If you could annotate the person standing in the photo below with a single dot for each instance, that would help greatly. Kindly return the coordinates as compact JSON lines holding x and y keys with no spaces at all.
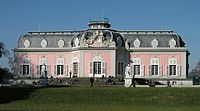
{"x":91,"y":81}
{"x":133,"y":82}
{"x":70,"y":74}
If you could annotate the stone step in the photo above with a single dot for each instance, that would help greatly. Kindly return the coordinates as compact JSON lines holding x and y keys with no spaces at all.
{"x":85,"y":81}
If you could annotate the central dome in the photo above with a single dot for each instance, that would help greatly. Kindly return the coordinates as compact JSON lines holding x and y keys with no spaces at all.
{"x":98,"y":35}
{"x":99,"y":23}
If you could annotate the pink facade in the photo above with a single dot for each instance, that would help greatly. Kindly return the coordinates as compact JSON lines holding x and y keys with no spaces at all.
{"x":163,"y":62}
{"x":100,"y":51}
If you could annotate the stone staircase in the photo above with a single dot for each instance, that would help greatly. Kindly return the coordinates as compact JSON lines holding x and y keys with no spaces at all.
{"x":97,"y":82}
{"x":84,"y":81}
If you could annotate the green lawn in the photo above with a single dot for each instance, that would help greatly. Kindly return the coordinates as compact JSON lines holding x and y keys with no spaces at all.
{"x":100,"y":99}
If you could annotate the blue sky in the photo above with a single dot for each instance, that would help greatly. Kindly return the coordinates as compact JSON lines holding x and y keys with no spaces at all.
{"x":17,"y":17}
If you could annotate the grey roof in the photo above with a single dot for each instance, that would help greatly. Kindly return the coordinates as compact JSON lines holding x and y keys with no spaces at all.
{"x":145,"y":38}
{"x":52,"y":38}
{"x":163,"y":37}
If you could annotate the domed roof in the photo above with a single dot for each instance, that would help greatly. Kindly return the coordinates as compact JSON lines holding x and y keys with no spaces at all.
{"x":99,"y":23}
{"x":104,"y":36}
{"x":100,"y":34}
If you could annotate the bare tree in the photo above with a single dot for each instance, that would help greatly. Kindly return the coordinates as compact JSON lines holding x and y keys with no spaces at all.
{"x":4,"y":72}
{"x":196,"y":70}
{"x":3,"y":51}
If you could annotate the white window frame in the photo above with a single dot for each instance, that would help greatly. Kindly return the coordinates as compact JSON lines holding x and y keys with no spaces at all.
{"x":137,"y":62}
{"x":59,"y":62}
{"x":155,"y":61}
{"x":43,"y":61}
{"x":26,"y":61}
{"x":74,"y":60}
{"x":75,"y":69}
{"x":97,"y":58}
{"x":173,"y":61}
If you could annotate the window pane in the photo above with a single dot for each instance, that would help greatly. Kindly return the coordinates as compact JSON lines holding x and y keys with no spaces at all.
{"x":94,"y":67}
{"x":137,"y":69}
{"x":172,"y":69}
{"x":62,"y":69}
{"x":154,"y":70}
{"x":97,"y":67}
{"x":26,"y":70}
{"x":58,"y":69}
{"x":75,"y":68}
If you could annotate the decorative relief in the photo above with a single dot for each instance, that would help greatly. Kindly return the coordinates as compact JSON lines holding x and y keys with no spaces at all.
{"x":44,"y":43}
{"x":127,"y":45}
{"x":172,"y":43}
{"x":97,"y":32}
{"x":69,"y":44}
{"x":119,"y":42}
{"x":76,"y":42}
{"x":26,"y":43}
{"x":75,"y":59}
{"x":61,"y":43}
{"x":154,"y":43}
{"x":112,"y":44}
{"x":136,"y":43}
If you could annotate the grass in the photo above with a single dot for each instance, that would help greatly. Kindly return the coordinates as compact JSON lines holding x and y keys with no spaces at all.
{"x":100,"y":99}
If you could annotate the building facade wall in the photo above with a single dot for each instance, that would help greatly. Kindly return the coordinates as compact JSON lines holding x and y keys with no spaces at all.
{"x":100,"y":51}
{"x":82,"y":57}
{"x":164,"y":59}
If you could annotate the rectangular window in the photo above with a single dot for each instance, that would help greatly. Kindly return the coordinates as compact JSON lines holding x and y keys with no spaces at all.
{"x":154,"y":69}
{"x":120,"y":68}
{"x":41,"y":68}
{"x":97,"y":67}
{"x":75,"y":68}
{"x":172,"y":69}
{"x":103,"y":67}
{"x":136,"y":69}
{"x":60,"y":69}
{"x":26,"y":70}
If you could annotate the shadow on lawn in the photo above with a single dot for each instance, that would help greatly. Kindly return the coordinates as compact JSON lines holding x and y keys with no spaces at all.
{"x":9,"y":94}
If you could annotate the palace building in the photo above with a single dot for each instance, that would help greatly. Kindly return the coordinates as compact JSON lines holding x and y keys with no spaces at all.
{"x":102,"y":51}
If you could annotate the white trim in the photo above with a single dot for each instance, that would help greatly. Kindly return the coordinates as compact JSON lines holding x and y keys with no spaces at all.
{"x":154,"y":61}
{"x":60,"y":61}
{"x":43,"y":60}
{"x":44,"y":43}
{"x":25,"y":61}
{"x":98,"y":58}
{"x":137,"y":61}
{"x":178,"y":70}
{"x":173,"y":61}
{"x":142,"y":70}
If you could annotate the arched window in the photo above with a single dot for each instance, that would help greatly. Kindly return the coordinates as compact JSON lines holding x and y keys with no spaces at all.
{"x":136,"y":67}
{"x":97,"y":67}
{"x":74,"y":67}
{"x":120,"y":65}
{"x":43,"y":60}
{"x":172,"y":67}
{"x":25,"y":67}
{"x":155,"y":68}
{"x":43,"y":69}
{"x":59,"y":67}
